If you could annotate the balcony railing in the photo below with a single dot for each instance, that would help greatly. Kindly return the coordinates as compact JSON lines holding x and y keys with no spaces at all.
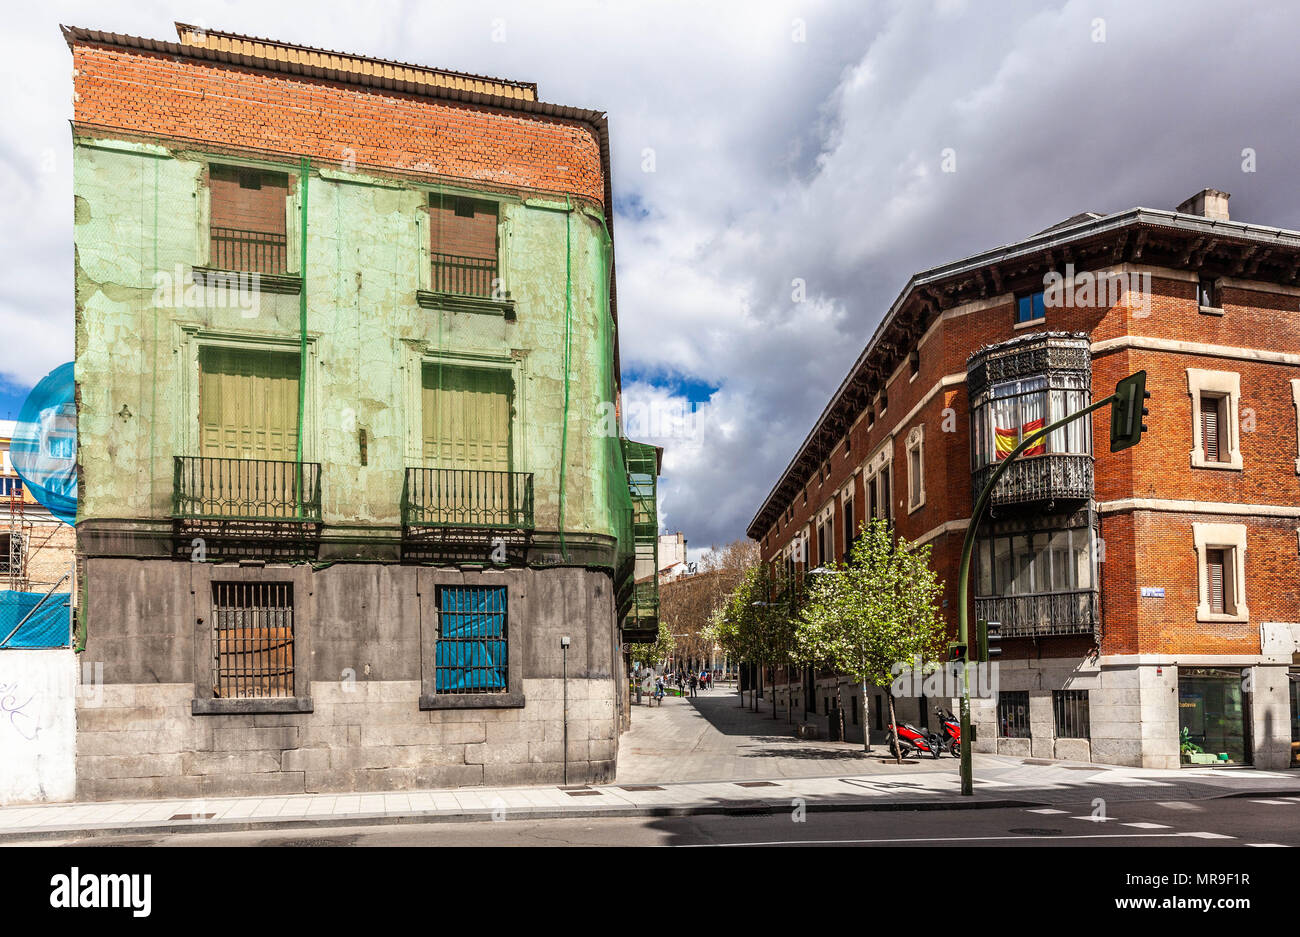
{"x":1043,"y":613}
{"x":464,"y":276}
{"x":1038,"y":479}
{"x":246,"y":490}
{"x":253,"y":251}
{"x":468,"y":498}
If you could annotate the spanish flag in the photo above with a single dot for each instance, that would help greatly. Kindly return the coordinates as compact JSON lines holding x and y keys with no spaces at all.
{"x":1007,"y":439}
{"x":1029,"y":429}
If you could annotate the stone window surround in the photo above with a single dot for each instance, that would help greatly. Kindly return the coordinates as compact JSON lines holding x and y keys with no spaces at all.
{"x":1231,"y":537}
{"x":203,"y":703}
{"x":292,"y":212}
{"x":504,"y":237}
{"x":426,"y":355}
{"x":880,"y":459}
{"x":1228,"y":385}
{"x":1295,"y":398}
{"x":516,"y":616}
{"x":915,"y":486}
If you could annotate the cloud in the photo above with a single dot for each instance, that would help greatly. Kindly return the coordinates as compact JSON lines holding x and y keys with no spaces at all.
{"x":774,"y":160}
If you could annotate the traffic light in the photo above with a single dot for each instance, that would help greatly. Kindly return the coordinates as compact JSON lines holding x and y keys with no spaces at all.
{"x":956,"y":652}
{"x":1126,"y":413}
{"x":988,"y":636}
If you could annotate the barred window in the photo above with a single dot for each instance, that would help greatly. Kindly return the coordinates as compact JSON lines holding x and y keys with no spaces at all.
{"x":1013,"y":714}
{"x":252,"y":639}
{"x":1070,"y":712}
{"x":471,"y":654}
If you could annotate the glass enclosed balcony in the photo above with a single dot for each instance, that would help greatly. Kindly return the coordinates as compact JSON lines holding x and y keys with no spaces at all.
{"x":1017,"y":388}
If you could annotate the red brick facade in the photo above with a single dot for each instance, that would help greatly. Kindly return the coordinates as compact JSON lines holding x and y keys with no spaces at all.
{"x":1257,"y":336}
{"x":166,"y":97}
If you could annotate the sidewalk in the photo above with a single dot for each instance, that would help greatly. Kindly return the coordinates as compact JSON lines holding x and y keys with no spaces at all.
{"x":999,"y":782}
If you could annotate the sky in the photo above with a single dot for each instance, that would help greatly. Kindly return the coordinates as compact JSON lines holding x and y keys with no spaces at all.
{"x":779,"y":170}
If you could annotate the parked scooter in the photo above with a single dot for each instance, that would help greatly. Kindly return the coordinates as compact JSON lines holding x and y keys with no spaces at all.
{"x":951,"y":733}
{"x":913,"y":740}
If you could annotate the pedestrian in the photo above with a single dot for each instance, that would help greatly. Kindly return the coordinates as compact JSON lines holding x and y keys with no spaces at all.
{"x":694,"y":683}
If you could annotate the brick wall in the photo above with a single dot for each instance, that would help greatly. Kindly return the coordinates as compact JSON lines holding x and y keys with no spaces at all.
{"x":236,"y":203}
{"x":240,"y":109}
{"x":1143,"y":547}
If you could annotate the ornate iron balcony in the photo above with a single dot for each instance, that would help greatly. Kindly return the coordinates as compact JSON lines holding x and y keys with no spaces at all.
{"x":1039,"y":479}
{"x":467,"y":498}
{"x":219,"y":489}
{"x":462,"y":275}
{"x":1043,"y":613}
{"x":253,"y":251}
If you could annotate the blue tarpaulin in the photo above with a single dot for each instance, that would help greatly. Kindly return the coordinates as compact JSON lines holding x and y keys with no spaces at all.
{"x":47,"y":628}
{"x":471,"y":652}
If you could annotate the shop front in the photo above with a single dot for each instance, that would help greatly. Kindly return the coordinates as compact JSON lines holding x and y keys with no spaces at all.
{"x":1214,"y":716}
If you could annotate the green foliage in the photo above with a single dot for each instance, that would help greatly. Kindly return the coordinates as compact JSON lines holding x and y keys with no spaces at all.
{"x":756,"y":621}
{"x":879,"y":609}
{"x":655,"y":652}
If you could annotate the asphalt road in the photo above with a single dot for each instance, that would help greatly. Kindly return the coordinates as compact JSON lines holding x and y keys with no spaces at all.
{"x":1236,"y":821}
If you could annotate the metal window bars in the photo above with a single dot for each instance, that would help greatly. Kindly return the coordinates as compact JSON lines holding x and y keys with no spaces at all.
{"x":464,"y":275}
{"x":252,"y":639}
{"x":472,"y":653}
{"x":1070,"y":713}
{"x":246,"y":489}
{"x":1013,"y":714}
{"x":248,"y":250}
{"x":1068,"y":612}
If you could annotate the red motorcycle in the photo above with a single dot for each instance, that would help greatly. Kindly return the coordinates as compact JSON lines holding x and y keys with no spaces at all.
{"x":950,"y":737}
{"x":912,"y":739}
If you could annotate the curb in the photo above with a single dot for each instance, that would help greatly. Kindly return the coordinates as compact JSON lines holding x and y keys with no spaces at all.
{"x":754,"y":808}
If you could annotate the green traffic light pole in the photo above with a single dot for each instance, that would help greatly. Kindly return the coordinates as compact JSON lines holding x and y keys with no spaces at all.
{"x":963,"y":581}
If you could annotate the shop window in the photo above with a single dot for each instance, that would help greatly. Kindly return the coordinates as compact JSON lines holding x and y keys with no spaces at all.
{"x":1213,"y":717}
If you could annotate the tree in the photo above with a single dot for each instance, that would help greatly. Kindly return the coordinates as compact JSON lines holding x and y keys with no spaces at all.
{"x":655,"y":652}
{"x":875,"y":612}
{"x":688,"y":602}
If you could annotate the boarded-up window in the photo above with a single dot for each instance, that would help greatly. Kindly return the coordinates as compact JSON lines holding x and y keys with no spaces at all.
{"x":471,"y":652}
{"x":1215,"y":579}
{"x":252,"y":639}
{"x":463,"y":245}
{"x":248,"y":219}
{"x":248,"y":433}
{"x":1212,"y":427}
{"x":466,"y":418}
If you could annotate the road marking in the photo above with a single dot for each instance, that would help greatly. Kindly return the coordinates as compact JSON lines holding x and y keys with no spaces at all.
{"x":958,"y":839}
{"x":1147,"y":826}
{"x":1178,"y":805}
{"x":1274,"y":803}
{"x":1093,"y":818}
{"x":1046,"y":810}
{"x":1261,"y":845}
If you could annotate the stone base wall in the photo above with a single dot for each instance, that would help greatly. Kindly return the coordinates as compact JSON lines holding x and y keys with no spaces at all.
{"x":141,"y":741}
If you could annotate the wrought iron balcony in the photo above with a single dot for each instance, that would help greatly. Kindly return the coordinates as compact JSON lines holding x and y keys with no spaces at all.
{"x":467,"y":499}
{"x":219,"y":489}
{"x":464,"y":276}
{"x":251,"y":251}
{"x":1044,"y":613}
{"x":1039,"y":479}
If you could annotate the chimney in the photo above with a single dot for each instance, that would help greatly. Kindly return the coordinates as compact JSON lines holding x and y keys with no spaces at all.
{"x":1209,"y":203}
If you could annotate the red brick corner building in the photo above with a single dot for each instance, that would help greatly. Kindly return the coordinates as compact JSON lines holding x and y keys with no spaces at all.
{"x":1150,"y":599}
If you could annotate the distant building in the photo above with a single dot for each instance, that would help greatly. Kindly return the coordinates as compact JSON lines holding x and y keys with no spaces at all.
{"x":36,"y":548}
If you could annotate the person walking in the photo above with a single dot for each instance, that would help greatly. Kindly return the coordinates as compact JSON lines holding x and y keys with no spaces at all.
{"x":695,"y":681}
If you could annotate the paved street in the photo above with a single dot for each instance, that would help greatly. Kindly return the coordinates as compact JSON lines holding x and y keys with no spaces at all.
{"x":1228,"y":822}
{"x":707,"y":772}
{"x":711,"y":737}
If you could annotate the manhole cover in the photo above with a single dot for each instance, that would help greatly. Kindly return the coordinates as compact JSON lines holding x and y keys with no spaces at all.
{"x":314,"y":841}
{"x":1035,"y":831}
{"x":641,"y":787}
{"x":192,"y":816}
{"x":582,"y":793}
{"x":756,"y":784}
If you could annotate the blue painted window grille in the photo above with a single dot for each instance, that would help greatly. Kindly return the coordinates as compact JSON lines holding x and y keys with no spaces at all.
{"x":471,"y":651}
{"x":1031,"y":307}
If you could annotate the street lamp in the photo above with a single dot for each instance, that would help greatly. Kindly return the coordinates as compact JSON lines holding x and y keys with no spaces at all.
{"x":1126,"y":429}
